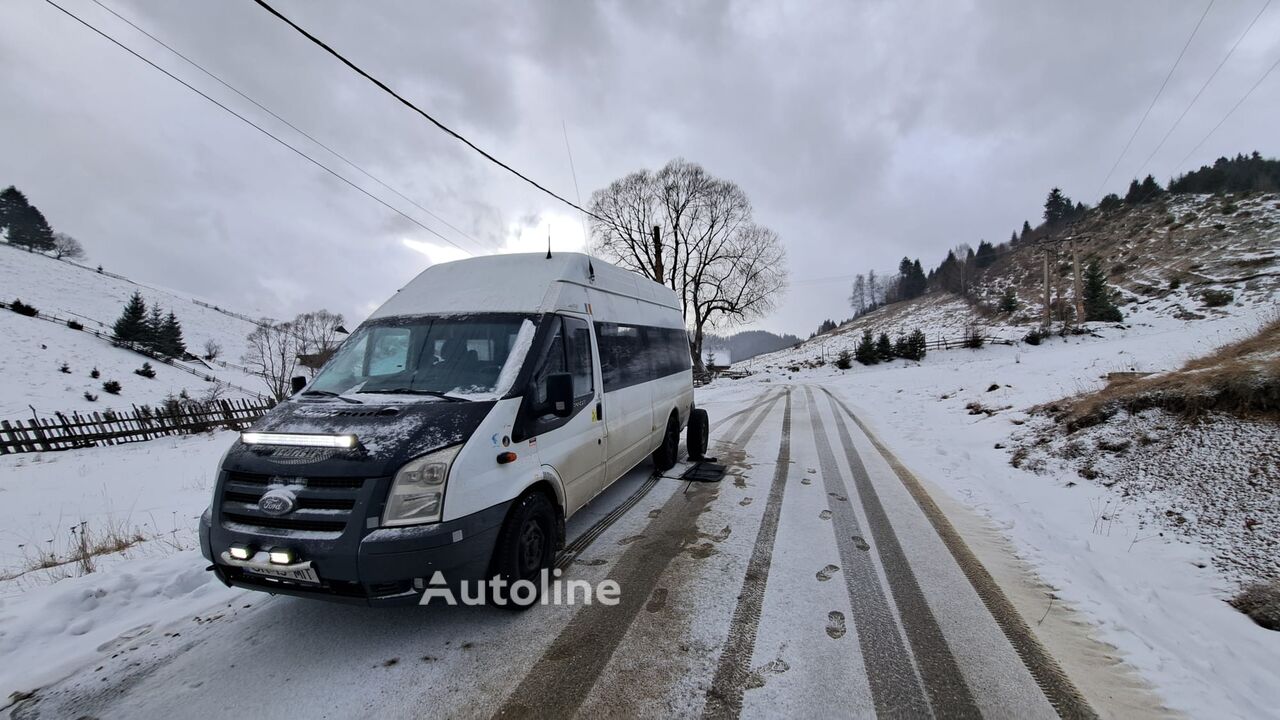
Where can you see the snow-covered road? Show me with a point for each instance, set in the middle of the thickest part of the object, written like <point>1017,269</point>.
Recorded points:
<point>816,579</point>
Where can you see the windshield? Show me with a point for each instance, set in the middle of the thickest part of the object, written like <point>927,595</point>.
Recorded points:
<point>458,356</point>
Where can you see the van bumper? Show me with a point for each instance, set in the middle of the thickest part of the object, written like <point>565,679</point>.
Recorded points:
<point>393,565</point>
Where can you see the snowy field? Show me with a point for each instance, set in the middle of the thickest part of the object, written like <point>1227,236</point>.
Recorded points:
<point>34,350</point>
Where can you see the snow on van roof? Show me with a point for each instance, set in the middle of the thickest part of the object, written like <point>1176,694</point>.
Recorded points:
<point>519,282</point>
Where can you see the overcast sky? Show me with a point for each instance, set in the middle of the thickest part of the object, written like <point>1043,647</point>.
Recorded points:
<point>862,132</point>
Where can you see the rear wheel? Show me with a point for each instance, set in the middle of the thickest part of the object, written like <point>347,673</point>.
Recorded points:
<point>699,434</point>
<point>664,458</point>
<point>526,546</point>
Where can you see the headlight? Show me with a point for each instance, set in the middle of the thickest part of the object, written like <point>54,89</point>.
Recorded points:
<point>417,493</point>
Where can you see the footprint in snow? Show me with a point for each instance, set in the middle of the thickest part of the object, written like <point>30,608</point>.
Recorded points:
<point>723,535</point>
<point>825,573</point>
<point>824,515</point>
<point>657,601</point>
<point>861,544</point>
<point>837,496</point>
<point>744,501</point>
<point>806,481</point>
<point>631,539</point>
<point>835,624</point>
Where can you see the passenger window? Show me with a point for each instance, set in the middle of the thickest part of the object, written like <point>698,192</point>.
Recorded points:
<point>580,365</point>
<point>390,351</point>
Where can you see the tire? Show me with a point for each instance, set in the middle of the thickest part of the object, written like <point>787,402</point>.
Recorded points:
<point>665,457</point>
<point>699,434</point>
<point>526,546</point>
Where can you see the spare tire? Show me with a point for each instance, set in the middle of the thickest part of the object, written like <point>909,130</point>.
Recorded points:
<point>699,434</point>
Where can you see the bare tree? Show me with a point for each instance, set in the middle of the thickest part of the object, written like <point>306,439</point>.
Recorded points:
<point>726,269</point>
<point>65,246</point>
<point>273,355</point>
<point>212,349</point>
<point>317,338</point>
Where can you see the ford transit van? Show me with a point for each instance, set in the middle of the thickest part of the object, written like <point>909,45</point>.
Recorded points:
<point>456,430</point>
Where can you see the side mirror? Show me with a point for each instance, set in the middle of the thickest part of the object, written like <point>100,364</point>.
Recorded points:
<point>560,394</point>
<point>297,383</point>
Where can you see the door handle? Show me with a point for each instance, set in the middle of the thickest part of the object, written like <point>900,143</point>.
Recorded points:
<point>599,411</point>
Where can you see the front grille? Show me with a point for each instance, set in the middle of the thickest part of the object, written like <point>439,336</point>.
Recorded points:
<point>324,504</point>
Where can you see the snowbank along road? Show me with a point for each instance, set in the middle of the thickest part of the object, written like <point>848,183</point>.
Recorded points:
<point>818,578</point>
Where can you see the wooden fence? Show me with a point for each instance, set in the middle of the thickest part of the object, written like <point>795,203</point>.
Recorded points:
<point>65,432</point>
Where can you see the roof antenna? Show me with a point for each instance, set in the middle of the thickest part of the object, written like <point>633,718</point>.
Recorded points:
<point>548,242</point>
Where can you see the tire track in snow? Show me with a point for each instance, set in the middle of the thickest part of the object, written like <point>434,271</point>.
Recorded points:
<point>724,697</point>
<point>895,687</point>
<point>943,681</point>
<point>1057,687</point>
<point>561,679</point>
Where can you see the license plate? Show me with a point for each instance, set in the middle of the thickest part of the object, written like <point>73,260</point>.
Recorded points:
<point>303,574</point>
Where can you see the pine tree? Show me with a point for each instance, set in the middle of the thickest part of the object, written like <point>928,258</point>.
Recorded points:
<point>132,325</point>
<point>1134,196</point>
<point>1009,300</point>
<point>154,329</point>
<point>986,254</point>
<point>170,341</point>
<point>884,348</point>
<point>1151,190</point>
<point>918,343</point>
<point>865,352</point>
<point>1109,203</point>
<point>11,200</point>
<point>28,228</point>
<point>902,347</point>
<point>1013,240</point>
<point>1026,230</point>
<point>1058,208</point>
<point>1097,296</point>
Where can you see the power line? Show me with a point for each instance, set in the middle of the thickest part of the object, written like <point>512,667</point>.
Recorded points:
<point>295,128</point>
<point>383,86</point>
<point>1229,112</point>
<point>1120,157</point>
<point>259,128</point>
<point>1199,92</point>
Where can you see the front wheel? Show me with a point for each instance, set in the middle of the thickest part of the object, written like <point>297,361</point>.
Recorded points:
<point>526,547</point>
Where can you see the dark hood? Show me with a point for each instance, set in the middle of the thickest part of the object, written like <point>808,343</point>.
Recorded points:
<point>389,435</point>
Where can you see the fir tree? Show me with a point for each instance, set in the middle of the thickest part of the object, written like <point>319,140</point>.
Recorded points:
<point>1058,208</point>
<point>154,329</point>
<point>132,325</point>
<point>11,200</point>
<point>1013,239</point>
<point>27,228</point>
<point>865,352</point>
<point>986,254</point>
<point>1009,300</point>
<point>1109,203</point>
<point>917,344</point>
<point>1097,296</point>
<point>1026,230</point>
<point>169,341</point>
<point>902,347</point>
<point>884,348</point>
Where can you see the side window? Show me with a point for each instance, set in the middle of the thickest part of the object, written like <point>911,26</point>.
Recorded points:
<point>389,351</point>
<point>579,361</point>
<point>552,363</point>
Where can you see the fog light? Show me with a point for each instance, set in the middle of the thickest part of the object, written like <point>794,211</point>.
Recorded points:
<point>240,552</point>
<point>280,556</point>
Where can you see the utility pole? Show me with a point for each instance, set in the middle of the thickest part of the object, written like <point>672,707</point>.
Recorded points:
<point>657,255</point>
<point>1048,317</point>
<point>1075,262</point>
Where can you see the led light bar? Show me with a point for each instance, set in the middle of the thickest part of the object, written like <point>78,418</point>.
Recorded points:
<point>343,442</point>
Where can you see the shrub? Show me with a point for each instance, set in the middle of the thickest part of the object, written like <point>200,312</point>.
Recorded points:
<point>95,374</point>
<point>111,387</point>
<point>1229,208</point>
<point>916,345</point>
<point>1217,298</point>
<point>1175,283</point>
<point>1118,269</point>
<point>23,309</point>
<point>844,360</point>
<point>1033,336</point>
<point>74,325</point>
<point>65,368</point>
<point>1219,226</point>
<point>145,371</point>
<point>1261,602</point>
<point>973,338</point>
<point>90,396</point>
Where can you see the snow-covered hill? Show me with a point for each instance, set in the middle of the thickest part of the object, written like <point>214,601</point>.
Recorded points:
<point>1160,258</point>
<point>34,350</point>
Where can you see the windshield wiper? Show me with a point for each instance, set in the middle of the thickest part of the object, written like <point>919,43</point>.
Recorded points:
<point>326,393</point>
<point>413,391</point>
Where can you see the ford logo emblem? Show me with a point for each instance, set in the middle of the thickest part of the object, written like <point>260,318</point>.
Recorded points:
<point>277,502</point>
